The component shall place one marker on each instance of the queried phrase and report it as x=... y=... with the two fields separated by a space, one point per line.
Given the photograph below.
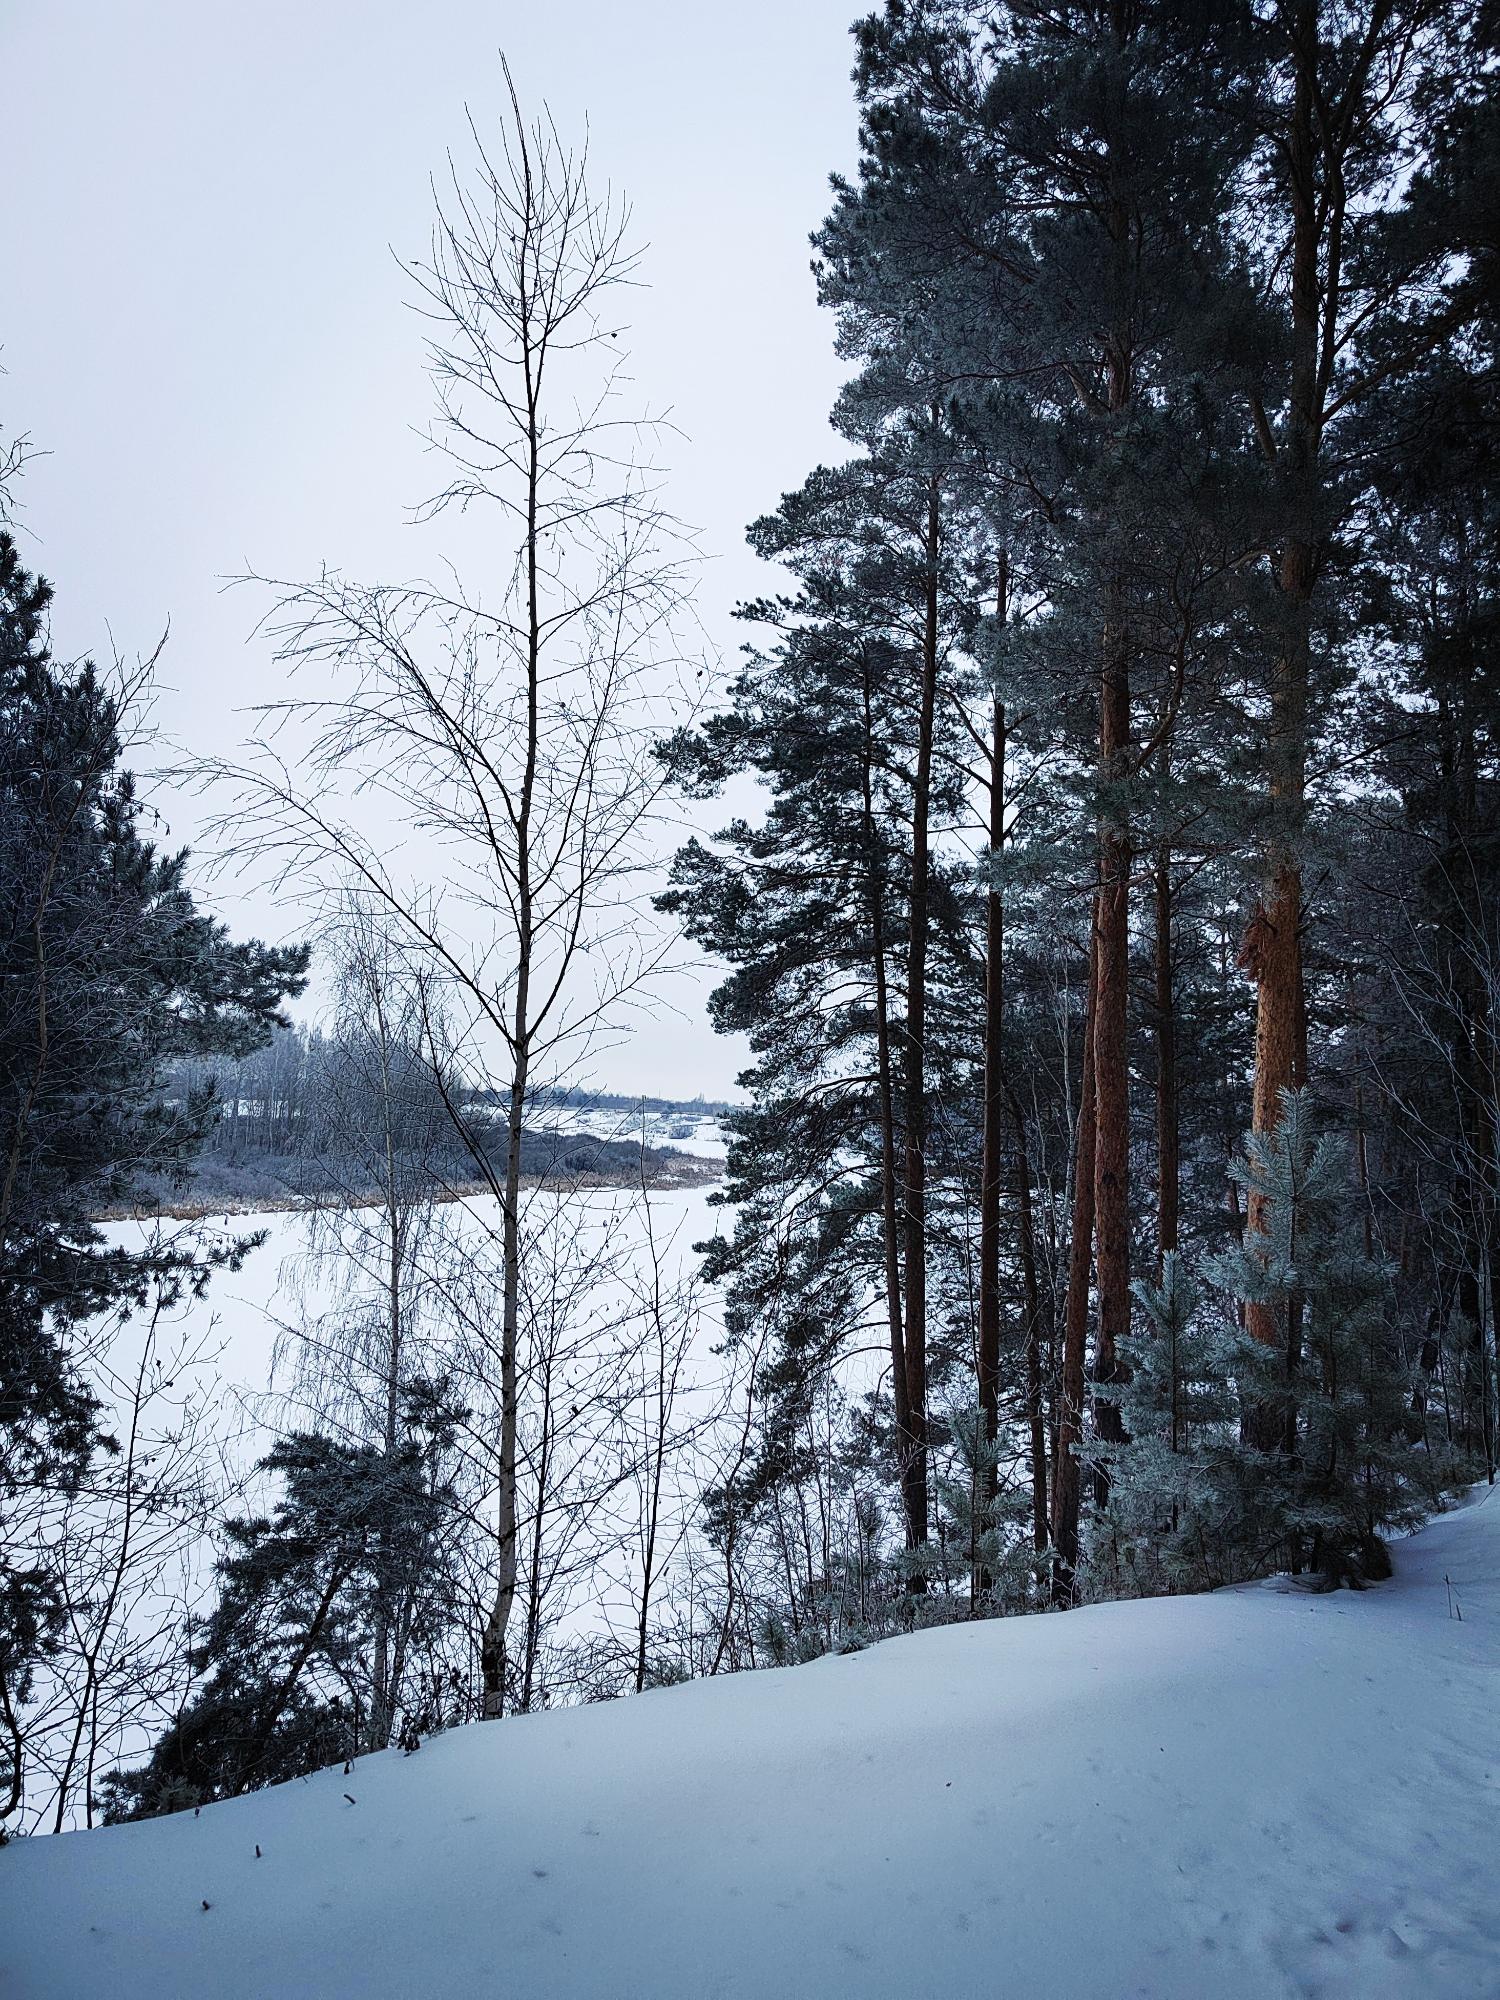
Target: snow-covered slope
x=1252 y=1794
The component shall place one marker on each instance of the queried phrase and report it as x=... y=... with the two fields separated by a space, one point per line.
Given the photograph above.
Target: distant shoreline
x=687 y=1170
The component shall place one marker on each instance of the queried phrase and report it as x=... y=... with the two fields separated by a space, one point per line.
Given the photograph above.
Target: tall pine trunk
x=1067 y=1467
x=1462 y=928
x=1168 y=1157
x=915 y=1179
x=1273 y=944
x=1111 y=1002
x=890 y=1215
x=993 y=1140
x=1112 y=960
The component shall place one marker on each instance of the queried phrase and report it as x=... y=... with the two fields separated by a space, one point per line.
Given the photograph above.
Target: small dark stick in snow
x=208 y=1906
x=257 y=1850
x=351 y=1798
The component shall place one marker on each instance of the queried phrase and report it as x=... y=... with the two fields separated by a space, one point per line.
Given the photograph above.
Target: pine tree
x=1200 y=1496
x=1169 y=1518
x=108 y=973
x=1043 y=183
x=986 y=1524
x=1416 y=929
x=285 y=1660
x=843 y=925
x=1340 y=1469
x=1345 y=107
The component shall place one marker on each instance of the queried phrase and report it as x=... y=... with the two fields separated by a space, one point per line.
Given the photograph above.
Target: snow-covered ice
x=1251 y=1794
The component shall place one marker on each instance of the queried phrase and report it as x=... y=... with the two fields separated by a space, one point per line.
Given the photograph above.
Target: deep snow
x=1256 y=1793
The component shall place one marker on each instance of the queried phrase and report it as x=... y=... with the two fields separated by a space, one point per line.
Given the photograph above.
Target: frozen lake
x=287 y=1281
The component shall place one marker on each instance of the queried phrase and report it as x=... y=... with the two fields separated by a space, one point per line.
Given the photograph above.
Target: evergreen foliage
x=108 y=972
x=1338 y=1393
x=1120 y=895
x=1241 y=1457
x=285 y=1656
x=1209 y=375
x=984 y=1522
x=1172 y=1519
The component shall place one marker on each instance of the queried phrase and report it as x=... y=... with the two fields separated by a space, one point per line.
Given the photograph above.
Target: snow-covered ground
x=1251 y=1794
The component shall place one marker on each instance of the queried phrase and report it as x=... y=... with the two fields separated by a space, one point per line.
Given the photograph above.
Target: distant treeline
x=656 y=1107
x=305 y=1113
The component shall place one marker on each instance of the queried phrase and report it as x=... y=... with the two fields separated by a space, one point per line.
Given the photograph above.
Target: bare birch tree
x=127 y=1548
x=379 y=1118
x=502 y=729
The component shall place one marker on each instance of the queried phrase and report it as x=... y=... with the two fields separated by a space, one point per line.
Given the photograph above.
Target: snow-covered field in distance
x=1247 y=1795
x=681 y=1129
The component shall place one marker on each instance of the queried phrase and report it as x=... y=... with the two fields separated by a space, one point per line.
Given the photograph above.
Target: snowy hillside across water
x=1247 y=1795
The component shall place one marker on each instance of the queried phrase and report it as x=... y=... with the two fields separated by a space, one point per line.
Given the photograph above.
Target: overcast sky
x=205 y=331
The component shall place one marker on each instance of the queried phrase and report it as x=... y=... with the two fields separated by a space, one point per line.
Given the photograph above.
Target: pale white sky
x=205 y=331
